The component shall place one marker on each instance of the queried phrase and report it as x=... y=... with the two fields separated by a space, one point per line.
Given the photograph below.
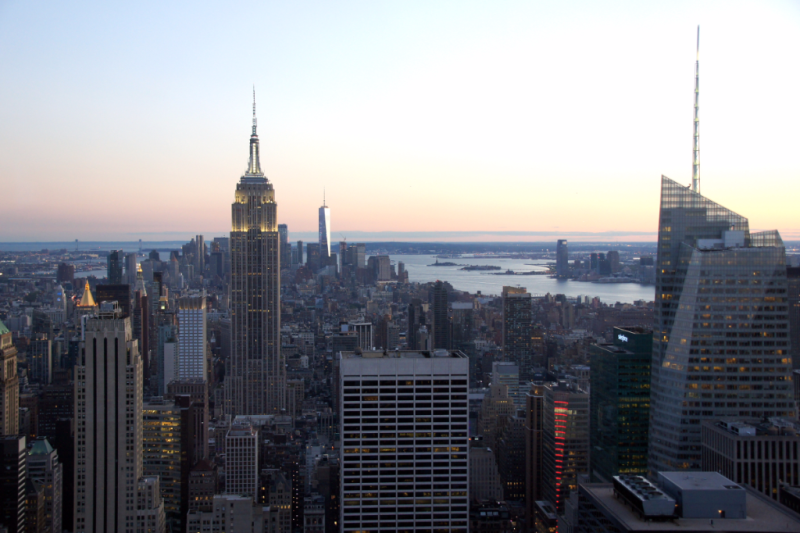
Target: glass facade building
x=620 y=404
x=721 y=332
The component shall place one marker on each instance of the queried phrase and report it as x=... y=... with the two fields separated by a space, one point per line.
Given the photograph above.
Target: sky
x=420 y=120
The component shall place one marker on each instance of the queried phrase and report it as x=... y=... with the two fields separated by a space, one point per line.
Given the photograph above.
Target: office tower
x=108 y=430
x=517 y=329
x=34 y=506
x=759 y=453
x=45 y=468
x=200 y=255
x=506 y=373
x=130 y=269
x=562 y=259
x=255 y=374
x=496 y=408
x=720 y=340
x=324 y=233
x=65 y=273
x=511 y=457
x=13 y=476
x=162 y=453
x=484 y=478
x=9 y=384
x=361 y=255
x=241 y=461
x=441 y=320
x=620 y=404
x=300 y=255
x=565 y=441
x=40 y=360
x=114 y=293
x=167 y=362
x=416 y=318
x=55 y=402
x=115 y=262
x=793 y=275
x=150 y=514
x=381 y=267
x=232 y=514
x=64 y=442
x=196 y=390
x=313 y=257
x=285 y=247
x=192 y=356
x=203 y=480
x=415 y=397
x=534 y=420
x=613 y=261
x=141 y=325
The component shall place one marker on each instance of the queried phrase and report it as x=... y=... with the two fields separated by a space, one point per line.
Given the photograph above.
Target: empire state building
x=255 y=380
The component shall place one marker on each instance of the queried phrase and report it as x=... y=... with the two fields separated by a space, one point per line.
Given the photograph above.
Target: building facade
x=192 y=345
x=518 y=329
x=620 y=403
x=9 y=384
x=721 y=333
x=404 y=441
x=255 y=377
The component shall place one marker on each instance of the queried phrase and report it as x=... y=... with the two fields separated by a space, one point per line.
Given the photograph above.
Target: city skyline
x=416 y=104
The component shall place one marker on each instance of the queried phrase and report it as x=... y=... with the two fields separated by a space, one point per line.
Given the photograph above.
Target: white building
x=233 y=514
x=192 y=353
x=404 y=417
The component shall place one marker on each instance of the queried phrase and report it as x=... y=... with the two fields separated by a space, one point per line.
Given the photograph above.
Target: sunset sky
x=504 y=120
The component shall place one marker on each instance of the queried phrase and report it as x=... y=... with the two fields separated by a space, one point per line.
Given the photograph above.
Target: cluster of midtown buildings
x=248 y=385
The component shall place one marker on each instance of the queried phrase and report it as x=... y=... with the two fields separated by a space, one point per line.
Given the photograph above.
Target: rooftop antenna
x=696 y=154
x=323 y=198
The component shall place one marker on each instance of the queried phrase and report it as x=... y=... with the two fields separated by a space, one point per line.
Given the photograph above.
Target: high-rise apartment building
x=562 y=259
x=324 y=233
x=45 y=468
x=518 y=329
x=255 y=377
x=565 y=441
x=192 y=352
x=620 y=404
x=442 y=327
x=108 y=433
x=721 y=333
x=404 y=441
x=115 y=262
x=9 y=384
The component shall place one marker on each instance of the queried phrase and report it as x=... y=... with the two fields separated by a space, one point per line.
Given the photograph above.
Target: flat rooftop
x=404 y=354
x=689 y=481
x=763 y=515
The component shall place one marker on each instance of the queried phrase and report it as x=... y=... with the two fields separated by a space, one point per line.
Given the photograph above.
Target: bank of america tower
x=255 y=375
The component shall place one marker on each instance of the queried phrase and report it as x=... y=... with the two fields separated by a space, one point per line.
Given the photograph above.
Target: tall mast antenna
x=696 y=154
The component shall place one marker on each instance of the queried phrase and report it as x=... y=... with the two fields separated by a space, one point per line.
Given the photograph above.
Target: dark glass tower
x=721 y=332
x=116 y=259
x=620 y=404
x=441 y=320
x=517 y=329
x=255 y=377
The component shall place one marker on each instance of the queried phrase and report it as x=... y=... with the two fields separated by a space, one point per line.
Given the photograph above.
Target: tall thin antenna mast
x=696 y=155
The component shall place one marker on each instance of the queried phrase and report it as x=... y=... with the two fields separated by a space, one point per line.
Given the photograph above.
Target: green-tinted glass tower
x=620 y=404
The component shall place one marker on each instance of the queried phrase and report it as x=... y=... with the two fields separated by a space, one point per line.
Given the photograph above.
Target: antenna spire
x=696 y=153
x=323 y=198
x=254 y=110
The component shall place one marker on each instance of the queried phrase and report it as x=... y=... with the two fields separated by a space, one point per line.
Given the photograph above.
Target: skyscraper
x=9 y=384
x=620 y=404
x=721 y=332
x=286 y=248
x=441 y=320
x=517 y=329
x=255 y=377
x=562 y=259
x=192 y=357
x=565 y=441
x=115 y=260
x=422 y=483
x=324 y=233
x=13 y=477
x=44 y=467
x=108 y=433
x=200 y=255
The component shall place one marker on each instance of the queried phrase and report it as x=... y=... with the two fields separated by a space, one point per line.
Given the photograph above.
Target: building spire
x=254 y=110
x=254 y=165
x=696 y=154
x=323 y=198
